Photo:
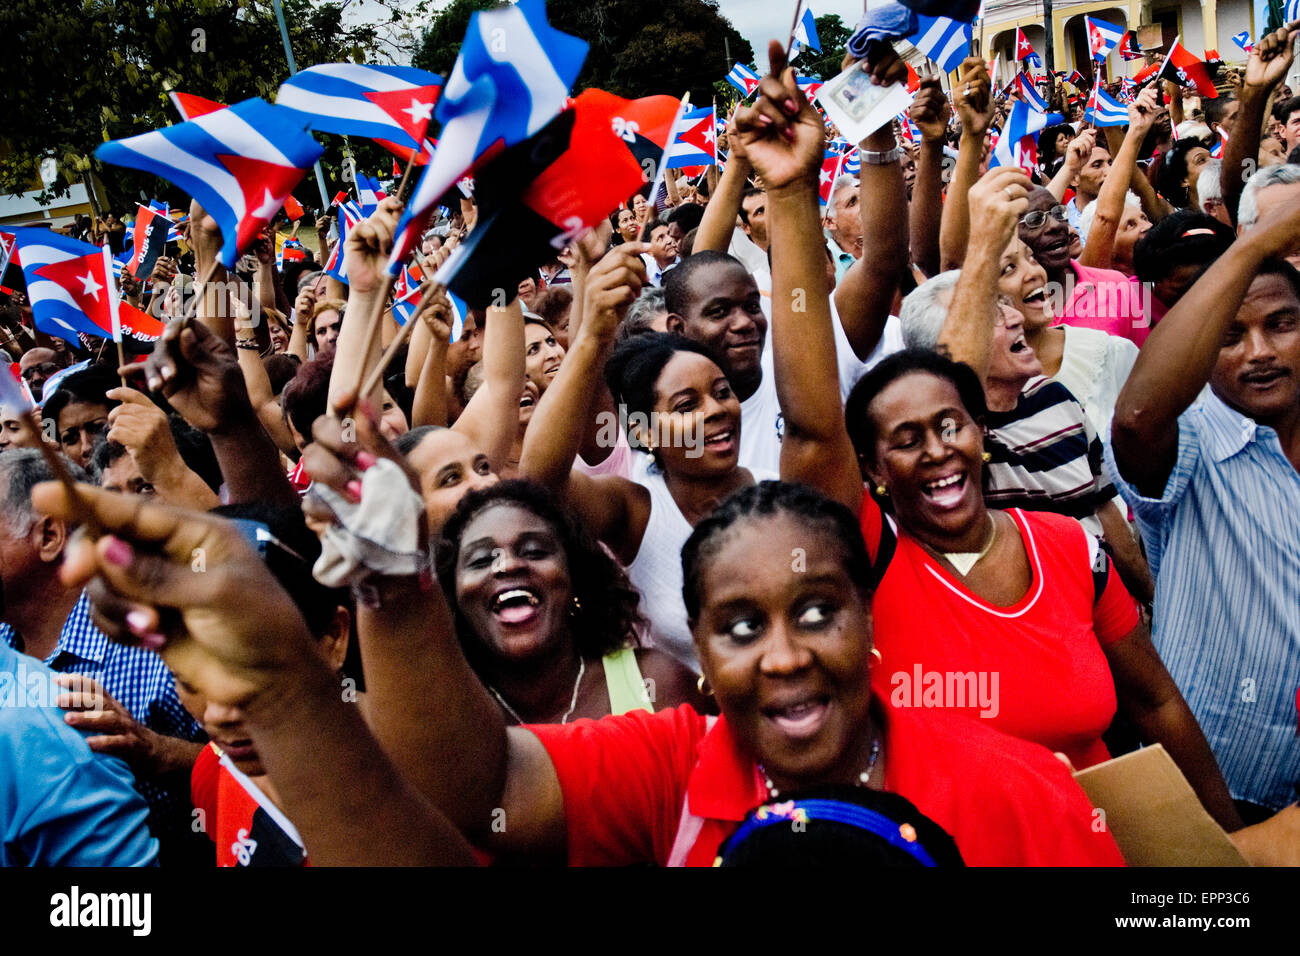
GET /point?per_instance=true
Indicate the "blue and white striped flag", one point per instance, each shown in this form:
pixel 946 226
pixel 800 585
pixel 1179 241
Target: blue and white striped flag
pixel 805 32
pixel 1244 41
pixel 743 78
pixel 1017 145
pixel 1104 110
pixel 945 41
pixel 511 79
pixel 1030 92
pixel 1102 37
pixel 392 103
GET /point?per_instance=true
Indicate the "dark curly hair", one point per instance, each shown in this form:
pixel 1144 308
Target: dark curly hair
pixel 607 617
pixel 766 499
pixel 1174 171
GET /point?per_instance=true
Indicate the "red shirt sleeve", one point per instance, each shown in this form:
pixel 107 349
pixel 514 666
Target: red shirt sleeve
pixel 872 522
pixel 624 782
pixel 203 789
pixel 1116 613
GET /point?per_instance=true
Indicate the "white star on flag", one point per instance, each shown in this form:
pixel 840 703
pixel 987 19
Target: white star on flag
pixel 708 133
pixel 826 175
pixel 89 286
pixel 268 207
pixel 419 111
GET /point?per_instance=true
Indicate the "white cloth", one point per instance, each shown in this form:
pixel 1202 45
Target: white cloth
pixel 654 275
pixel 747 251
pixel 1094 367
pixel 378 536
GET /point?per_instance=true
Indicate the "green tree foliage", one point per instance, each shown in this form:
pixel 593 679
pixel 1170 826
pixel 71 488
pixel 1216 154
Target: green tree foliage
pixel 82 71
pixel 637 47
pixel 834 38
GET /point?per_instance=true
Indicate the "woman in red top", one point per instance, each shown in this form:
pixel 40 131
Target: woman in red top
pixel 969 596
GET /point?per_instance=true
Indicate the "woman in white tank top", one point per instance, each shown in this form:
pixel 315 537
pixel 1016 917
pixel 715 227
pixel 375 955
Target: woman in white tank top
pixel 678 406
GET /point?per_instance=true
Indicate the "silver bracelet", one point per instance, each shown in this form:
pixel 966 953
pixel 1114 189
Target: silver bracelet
pixel 873 158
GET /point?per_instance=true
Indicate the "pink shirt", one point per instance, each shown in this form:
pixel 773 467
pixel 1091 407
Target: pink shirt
pixel 1108 300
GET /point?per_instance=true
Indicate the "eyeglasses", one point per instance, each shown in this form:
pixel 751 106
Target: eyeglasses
pixel 45 368
pixel 1036 218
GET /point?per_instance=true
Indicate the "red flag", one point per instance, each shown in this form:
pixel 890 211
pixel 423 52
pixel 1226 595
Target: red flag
pixel 293 209
pixel 397 170
pixel 397 149
pixel 1148 71
pixel 913 81
pixel 190 106
pixel 1185 69
pixel 148 239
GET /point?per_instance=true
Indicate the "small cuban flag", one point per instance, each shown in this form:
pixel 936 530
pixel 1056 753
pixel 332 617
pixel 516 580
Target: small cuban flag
pixel 1105 110
pixel 805 32
pixel 1244 41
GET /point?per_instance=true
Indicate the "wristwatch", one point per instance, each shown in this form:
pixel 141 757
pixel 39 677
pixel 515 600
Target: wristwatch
pixel 873 158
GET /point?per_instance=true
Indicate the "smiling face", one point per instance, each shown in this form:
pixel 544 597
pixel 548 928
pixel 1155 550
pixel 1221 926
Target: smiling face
pixel 1024 283
pixel 1257 370
pixel 787 651
pixel 449 466
pixel 928 454
pixel 542 356
pixel 1196 160
pixel 725 313
pixel 696 418
pixel 512 583
pixel 1011 358
pixel 1132 227
pixel 1049 240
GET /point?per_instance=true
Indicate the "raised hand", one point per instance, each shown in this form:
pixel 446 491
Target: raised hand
pixel 369 245
pixel 435 311
pixel 972 95
pixel 781 133
pixel 1142 112
pixel 997 202
pixel 612 285
pixel 1080 150
pixel 141 427
pixel 930 110
pixel 1269 62
pixel 198 373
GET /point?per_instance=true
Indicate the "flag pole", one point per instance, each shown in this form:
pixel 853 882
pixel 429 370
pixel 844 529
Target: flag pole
pixel 374 327
pixel 288 53
pixel 794 25
pixel 114 311
pixel 377 373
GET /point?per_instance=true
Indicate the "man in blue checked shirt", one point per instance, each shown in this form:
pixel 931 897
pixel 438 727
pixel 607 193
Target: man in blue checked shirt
pixel 1216 490
pixel 129 707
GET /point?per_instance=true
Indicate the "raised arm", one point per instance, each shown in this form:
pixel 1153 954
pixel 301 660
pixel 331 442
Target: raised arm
pixel 865 294
pixel 340 788
pixel 786 147
pixel 434 315
pixel 1179 354
pixel 1266 67
pixel 491 418
pixel 366 255
pixel 931 113
pixel 974 104
pixel 1100 249
pixel 997 202
pixel 558 425
pixel 1076 157
pixel 719 221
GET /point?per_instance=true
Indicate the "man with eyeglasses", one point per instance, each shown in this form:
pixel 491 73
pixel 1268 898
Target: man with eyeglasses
pixel 36 366
pixel 1092 298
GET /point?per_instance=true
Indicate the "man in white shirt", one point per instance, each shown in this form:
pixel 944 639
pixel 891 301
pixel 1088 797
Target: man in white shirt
pixel 663 251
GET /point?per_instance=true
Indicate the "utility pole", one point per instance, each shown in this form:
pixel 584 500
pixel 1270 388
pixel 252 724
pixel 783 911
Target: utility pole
pixel 1049 54
pixel 288 53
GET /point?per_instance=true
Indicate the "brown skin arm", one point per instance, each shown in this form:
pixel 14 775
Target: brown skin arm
pixel 1266 67
pixel 1178 356
pixel 996 204
pixel 930 112
pixel 976 114
pixel 1151 700
pixel 491 419
pixel 786 149
pixel 719 221
pixel 1100 250
pixel 865 294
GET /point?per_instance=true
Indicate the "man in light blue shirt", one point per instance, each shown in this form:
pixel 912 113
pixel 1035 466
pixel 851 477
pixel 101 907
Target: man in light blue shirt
pixel 60 803
pixel 1216 492
pixel 843 221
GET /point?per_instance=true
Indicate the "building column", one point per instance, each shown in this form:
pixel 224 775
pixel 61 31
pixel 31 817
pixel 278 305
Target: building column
pixel 1210 23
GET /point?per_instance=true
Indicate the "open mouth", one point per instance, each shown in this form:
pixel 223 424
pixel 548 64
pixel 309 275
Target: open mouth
pixel 515 606
pixel 527 401
pixel 946 492
pixel 722 441
pixel 238 749
pixel 1020 345
pixel 800 719
pixel 1035 298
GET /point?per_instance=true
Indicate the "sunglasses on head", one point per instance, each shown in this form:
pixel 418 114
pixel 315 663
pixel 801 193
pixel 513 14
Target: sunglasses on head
pixel 1036 218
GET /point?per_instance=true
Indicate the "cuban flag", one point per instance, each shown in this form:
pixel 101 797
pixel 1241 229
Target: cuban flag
pixel 1030 92
pixel 832 160
pixel 945 41
pixel 695 143
pixel 911 132
pixel 805 32
pixel 1102 37
pixel 192 107
pixel 1244 41
pixel 239 163
pixel 1128 47
pixel 809 84
pixel 1104 110
pixel 573 174
pixel 1216 151
pixel 1017 145
pixel 744 79
pixel 148 239
pixel 370 193
pixel 852 165
pixel 1077 80
pixel 511 78
pixel 1290 12
pixel 1127 90
pixel 393 103
pixel 71 289
pixel 1024 51
pixel 349 215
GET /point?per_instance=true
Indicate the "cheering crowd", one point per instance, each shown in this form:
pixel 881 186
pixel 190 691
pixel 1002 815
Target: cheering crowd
pixel 875 506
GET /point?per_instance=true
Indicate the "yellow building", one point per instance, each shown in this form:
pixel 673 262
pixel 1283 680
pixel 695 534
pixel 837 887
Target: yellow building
pixel 1202 25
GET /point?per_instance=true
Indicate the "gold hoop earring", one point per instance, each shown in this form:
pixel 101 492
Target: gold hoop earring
pixel 875 652
pixel 702 685
pixel 987 456
pixel 882 491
